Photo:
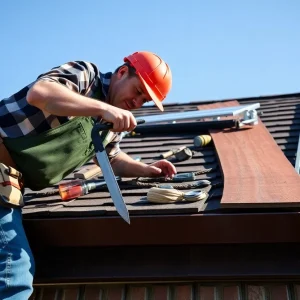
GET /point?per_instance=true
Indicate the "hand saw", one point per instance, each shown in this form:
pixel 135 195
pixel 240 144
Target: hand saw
pixel 107 171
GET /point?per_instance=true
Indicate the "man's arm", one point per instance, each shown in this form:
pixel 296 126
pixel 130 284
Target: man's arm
pixel 60 101
pixel 61 92
pixel 124 166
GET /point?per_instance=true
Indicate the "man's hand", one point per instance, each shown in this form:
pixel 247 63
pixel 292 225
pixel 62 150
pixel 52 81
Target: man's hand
pixel 161 168
pixel 123 120
pixel 124 166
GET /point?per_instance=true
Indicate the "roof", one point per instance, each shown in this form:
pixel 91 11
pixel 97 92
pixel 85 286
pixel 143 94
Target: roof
pixel 171 242
pixel 281 116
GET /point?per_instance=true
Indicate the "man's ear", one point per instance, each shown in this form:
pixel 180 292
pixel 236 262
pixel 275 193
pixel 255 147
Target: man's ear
pixel 123 71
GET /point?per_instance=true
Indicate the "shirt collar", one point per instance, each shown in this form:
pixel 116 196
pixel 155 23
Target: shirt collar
pixel 105 80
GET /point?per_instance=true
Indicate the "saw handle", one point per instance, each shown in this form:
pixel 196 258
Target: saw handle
pixel 100 127
pixel 96 138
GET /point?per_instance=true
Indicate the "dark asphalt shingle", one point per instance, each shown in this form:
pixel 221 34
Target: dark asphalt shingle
pixel 281 116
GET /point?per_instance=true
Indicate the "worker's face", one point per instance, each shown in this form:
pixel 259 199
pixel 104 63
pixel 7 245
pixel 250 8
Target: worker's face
pixel 127 92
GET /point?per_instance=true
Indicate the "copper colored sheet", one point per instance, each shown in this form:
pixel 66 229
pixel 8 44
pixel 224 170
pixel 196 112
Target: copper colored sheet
pixel 256 172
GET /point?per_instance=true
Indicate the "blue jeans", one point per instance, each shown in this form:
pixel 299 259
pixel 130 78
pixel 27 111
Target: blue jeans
pixel 16 260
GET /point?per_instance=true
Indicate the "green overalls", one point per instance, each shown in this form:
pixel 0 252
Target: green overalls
pixel 47 158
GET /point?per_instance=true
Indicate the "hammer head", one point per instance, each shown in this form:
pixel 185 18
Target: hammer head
pixel 184 154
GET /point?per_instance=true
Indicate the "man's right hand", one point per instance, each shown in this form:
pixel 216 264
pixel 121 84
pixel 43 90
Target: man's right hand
pixel 122 120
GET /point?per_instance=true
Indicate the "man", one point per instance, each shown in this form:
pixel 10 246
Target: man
pixel 45 130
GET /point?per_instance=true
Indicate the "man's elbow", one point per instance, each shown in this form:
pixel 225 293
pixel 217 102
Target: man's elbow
pixel 37 93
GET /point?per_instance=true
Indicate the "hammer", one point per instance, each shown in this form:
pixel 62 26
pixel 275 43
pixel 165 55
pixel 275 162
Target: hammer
pixel 181 153
pixel 184 154
pixel 171 152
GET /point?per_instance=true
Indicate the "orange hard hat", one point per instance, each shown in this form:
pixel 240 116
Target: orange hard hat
pixel 154 73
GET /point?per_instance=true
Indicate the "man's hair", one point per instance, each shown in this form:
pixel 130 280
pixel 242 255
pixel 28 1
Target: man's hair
pixel 131 69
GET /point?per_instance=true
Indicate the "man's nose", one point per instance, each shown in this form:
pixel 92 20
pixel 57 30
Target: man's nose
pixel 137 102
pixel 134 102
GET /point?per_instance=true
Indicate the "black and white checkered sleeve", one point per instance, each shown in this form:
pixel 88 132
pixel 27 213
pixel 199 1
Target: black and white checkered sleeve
pixel 78 76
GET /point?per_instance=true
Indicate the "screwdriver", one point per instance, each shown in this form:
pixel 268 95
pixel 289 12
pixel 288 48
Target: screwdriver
pixel 76 188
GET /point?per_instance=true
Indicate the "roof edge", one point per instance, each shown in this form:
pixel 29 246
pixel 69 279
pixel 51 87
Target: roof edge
pixel 263 97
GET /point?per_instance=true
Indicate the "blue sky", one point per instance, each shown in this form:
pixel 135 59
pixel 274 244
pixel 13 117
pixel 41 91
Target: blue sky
pixel 216 49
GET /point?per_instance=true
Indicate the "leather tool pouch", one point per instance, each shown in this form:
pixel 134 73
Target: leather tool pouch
pixel 11 190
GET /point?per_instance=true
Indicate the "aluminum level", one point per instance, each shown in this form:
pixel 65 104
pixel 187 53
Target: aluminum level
pixel 198 114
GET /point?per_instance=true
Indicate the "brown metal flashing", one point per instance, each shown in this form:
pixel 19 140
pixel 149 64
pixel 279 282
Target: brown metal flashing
pixel 167 263
pixel 264 227
pixel 173 291
pixel 256 173
pixel 219 105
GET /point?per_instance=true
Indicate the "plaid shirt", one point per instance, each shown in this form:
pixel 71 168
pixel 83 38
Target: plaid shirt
pixel 18 118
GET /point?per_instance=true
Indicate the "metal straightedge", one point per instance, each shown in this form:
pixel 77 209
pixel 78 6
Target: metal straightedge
pixel 247 113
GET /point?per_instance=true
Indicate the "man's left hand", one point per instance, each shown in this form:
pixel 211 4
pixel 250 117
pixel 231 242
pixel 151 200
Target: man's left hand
pixel 161 168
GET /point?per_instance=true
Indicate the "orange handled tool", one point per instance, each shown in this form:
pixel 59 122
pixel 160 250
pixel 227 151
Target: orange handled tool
pixel 76 188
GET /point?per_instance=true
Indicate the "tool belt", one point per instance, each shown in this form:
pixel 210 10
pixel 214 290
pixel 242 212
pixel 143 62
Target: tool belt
pixel 5 157
pixel 11 184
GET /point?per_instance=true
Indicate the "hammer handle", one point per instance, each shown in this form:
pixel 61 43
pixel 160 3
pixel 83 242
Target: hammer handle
pixel 100 127
pixel 167 154
pixel 171 152
pixel 88 172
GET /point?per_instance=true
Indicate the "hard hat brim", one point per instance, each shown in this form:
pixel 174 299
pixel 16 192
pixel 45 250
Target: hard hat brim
pixel 152 94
